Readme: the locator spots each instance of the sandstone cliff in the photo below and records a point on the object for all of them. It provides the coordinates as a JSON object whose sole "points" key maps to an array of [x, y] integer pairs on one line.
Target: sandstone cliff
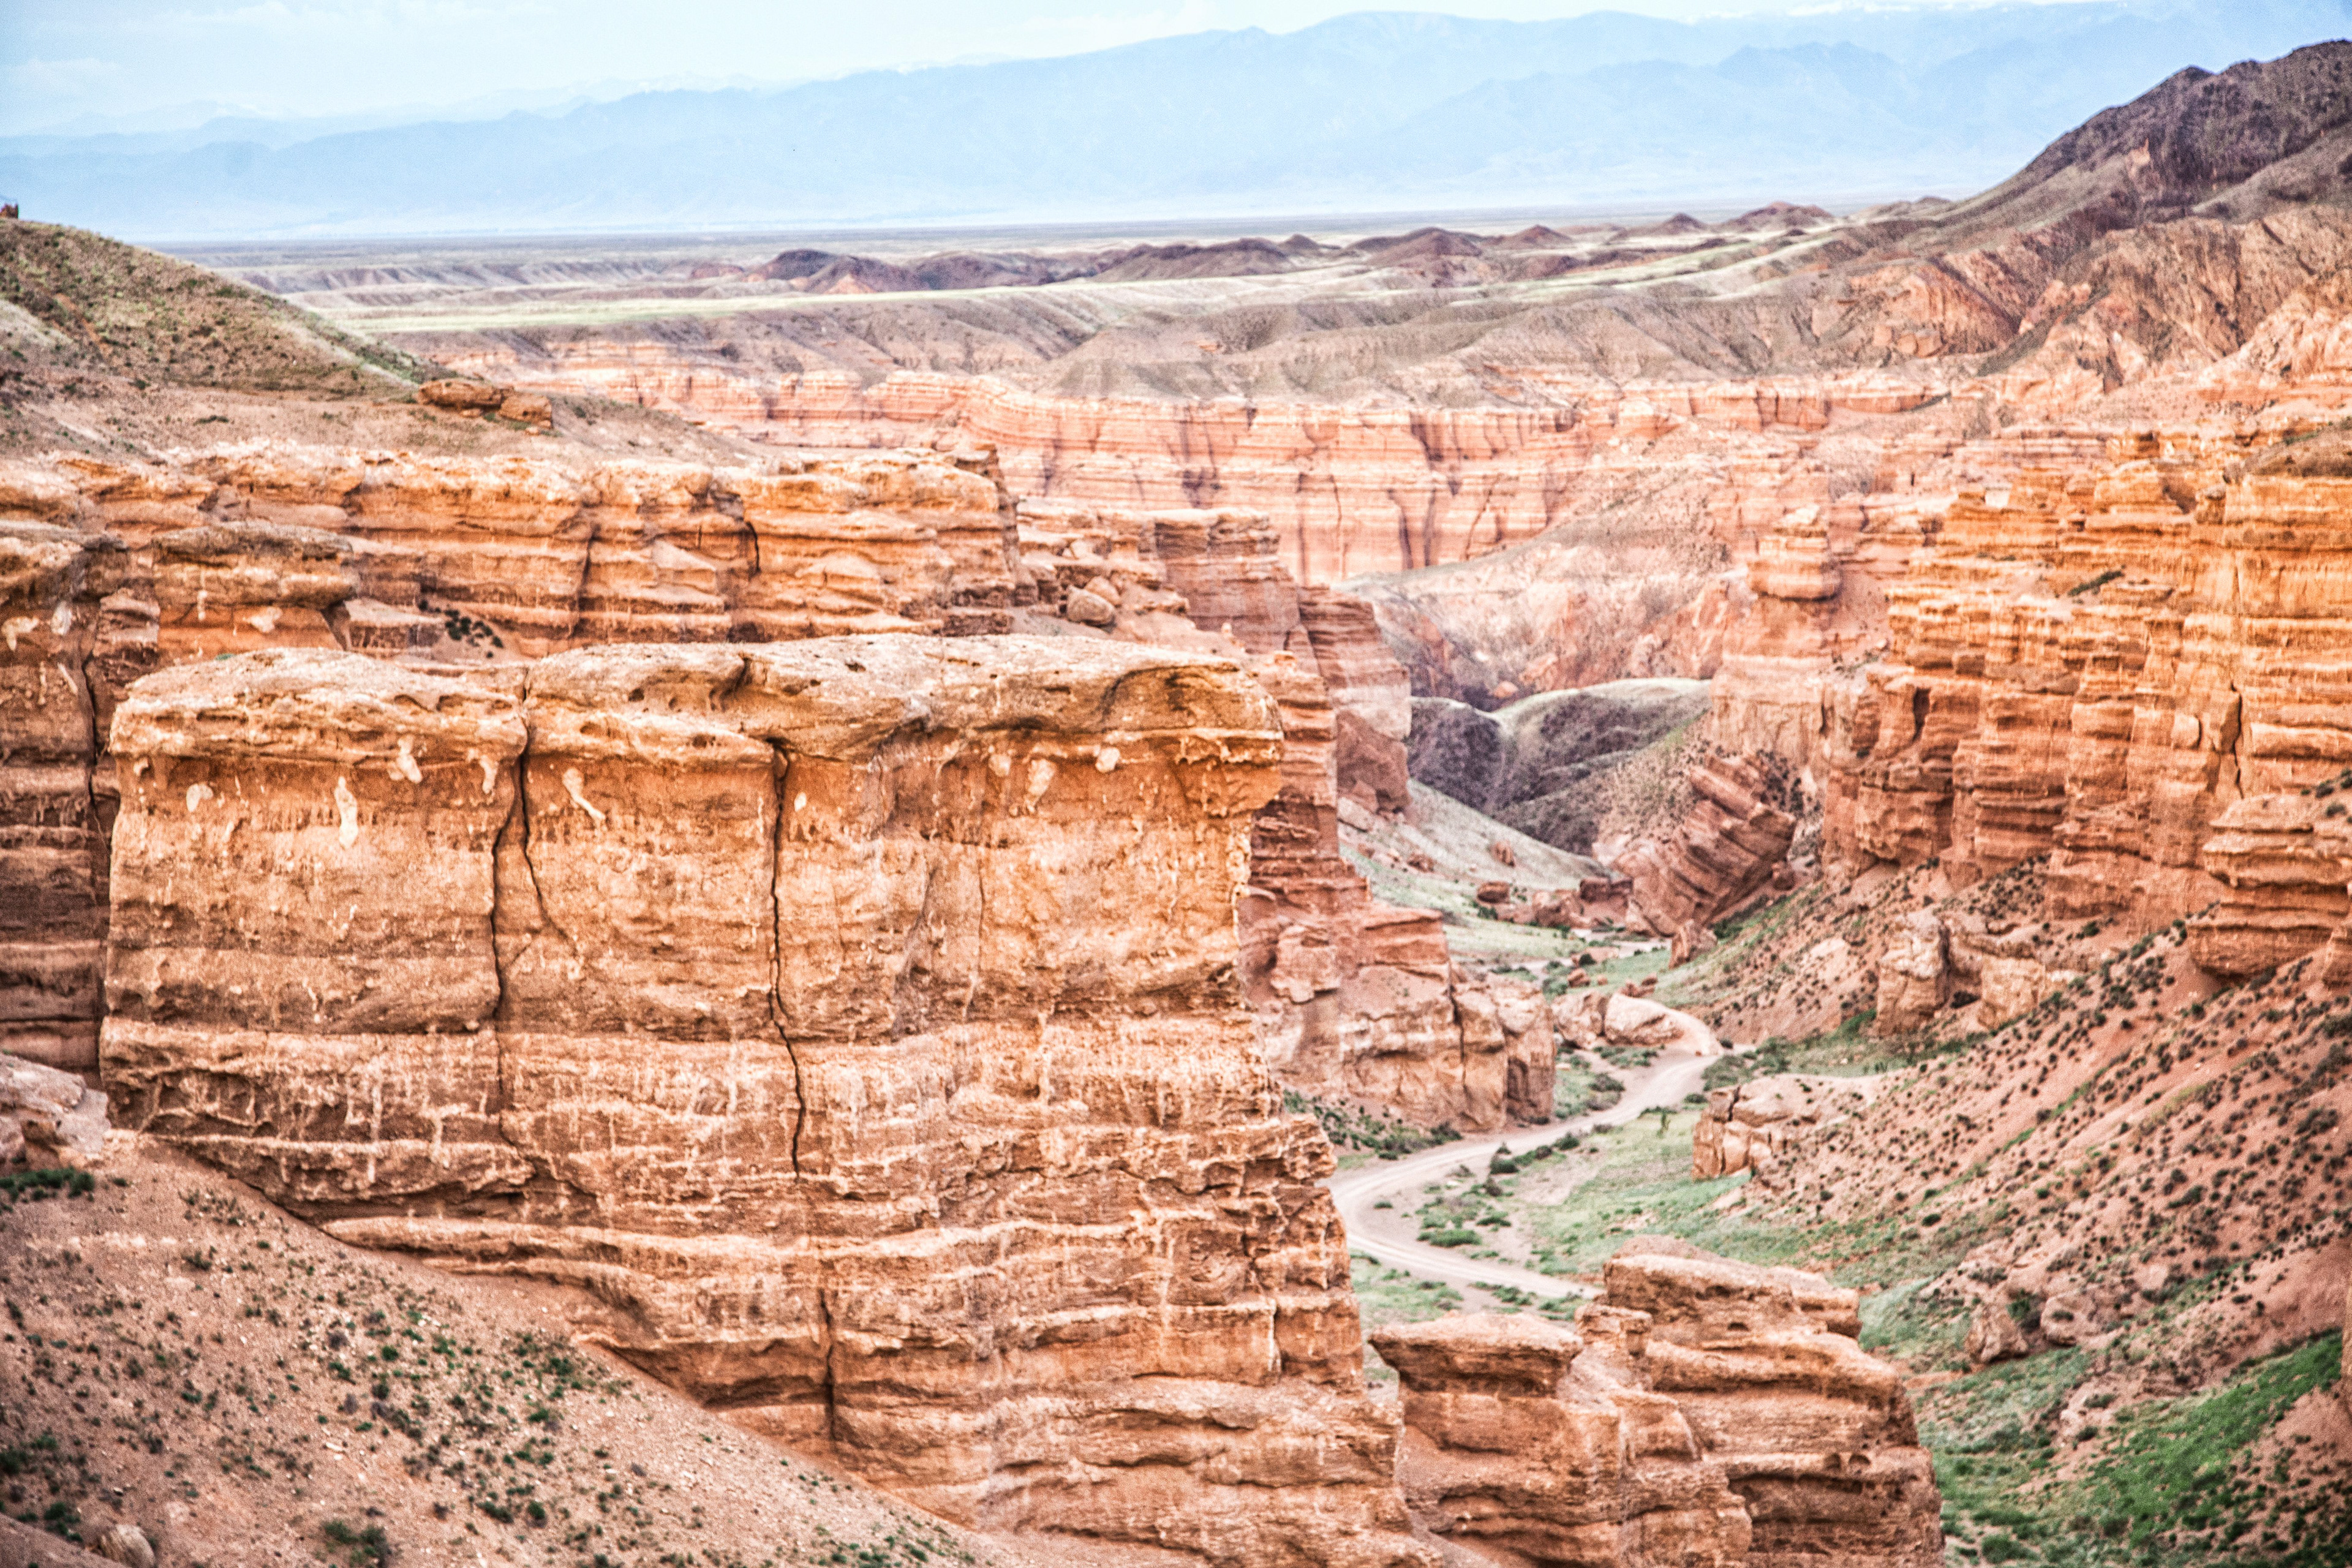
{"points": [[2108, 668], [853, 1021], [139, 566]]}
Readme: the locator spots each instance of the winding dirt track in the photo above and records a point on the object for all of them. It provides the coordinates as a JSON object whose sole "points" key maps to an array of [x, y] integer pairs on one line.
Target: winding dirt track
{"points": [[1387, 1236]]}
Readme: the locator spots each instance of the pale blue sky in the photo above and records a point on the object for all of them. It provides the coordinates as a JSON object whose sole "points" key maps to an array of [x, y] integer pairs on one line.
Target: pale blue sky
{"points": [[136, 65]]}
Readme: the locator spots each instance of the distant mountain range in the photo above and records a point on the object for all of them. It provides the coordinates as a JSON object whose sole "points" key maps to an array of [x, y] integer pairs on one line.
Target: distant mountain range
{"points": [[1373, 111]]}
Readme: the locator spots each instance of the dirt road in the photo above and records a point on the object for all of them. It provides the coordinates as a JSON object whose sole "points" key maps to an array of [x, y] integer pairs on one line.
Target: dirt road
{"points": [[1387, 1234]]}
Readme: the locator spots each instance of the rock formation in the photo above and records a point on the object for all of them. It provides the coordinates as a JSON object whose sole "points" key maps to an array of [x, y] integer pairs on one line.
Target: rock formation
{"points": [[454, 562], [853, 1021], [1758, 1125], [2123, 669], [1356, 999], [1730, 845], [1701, 1411], [48, 1118]]}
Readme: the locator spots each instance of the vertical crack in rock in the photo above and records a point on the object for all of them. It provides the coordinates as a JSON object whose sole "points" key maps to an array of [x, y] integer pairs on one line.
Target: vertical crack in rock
{"points": [[985, 1177], [776, 993], [521, 815]]}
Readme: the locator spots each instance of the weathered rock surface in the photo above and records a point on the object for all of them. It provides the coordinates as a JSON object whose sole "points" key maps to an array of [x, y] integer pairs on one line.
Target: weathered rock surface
{"points": [[456, 562], [1757, 1125], [1728, 846], [48, 1118], [854, 1021], [1701, 1411], [109, 571], [1994, 1333], [2125, 670], [1355, 999]]}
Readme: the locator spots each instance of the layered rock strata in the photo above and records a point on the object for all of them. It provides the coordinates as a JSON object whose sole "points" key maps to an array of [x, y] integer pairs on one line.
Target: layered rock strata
{"points": [[853, 1021], [118, 570], [1701, 1411], [1352, 488], [1356, 999], [2107, 668], [1730, 844], [109, 571]]}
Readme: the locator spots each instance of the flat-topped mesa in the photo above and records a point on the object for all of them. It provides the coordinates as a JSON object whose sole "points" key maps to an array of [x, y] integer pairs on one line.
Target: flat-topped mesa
{"points": [[854, 1022], [109, 571], [1701, 1411]]}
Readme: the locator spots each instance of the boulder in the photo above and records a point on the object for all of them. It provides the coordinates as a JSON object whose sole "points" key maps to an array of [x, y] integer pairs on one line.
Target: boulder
{"points": [[1637, 1020], [461, 397], [48, 1118], [526, 409], [125, 1543], [1089, 609], [1994, 1334], [1913, 979]]}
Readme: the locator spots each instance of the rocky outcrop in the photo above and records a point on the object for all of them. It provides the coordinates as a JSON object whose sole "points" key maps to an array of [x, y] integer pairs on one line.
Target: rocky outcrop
{"points": [[452, 563], [1524, 1442], [1758, 1125], [851, 1022], [1357, 999], [1730, 845], [2108, 668], [62, 605], [1701, 1411], [109, 571], [2284, 861], [48, 1118], [474, 399]]}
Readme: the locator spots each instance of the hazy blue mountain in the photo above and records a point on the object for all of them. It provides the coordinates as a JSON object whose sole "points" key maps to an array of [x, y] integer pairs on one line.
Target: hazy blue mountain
{"points": [[1369, 111]]}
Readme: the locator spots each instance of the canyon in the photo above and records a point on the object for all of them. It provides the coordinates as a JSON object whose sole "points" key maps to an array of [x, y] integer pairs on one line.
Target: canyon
{"points": [[870, 848]]}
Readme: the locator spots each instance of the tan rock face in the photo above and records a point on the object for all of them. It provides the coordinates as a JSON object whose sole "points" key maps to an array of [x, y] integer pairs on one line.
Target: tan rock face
{"points": [[488, 562], [1701, 1411], [853, 1021], [48, 1118], [2283, 859], [55, 804]]}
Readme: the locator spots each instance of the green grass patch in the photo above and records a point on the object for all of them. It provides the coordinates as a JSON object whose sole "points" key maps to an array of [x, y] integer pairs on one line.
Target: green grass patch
{"points": [[31, 1186], [2179, 1483], [1354, 1127]]}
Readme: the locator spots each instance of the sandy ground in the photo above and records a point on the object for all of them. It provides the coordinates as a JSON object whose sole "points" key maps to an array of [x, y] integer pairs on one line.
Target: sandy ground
{"points": [[181, 1356]]}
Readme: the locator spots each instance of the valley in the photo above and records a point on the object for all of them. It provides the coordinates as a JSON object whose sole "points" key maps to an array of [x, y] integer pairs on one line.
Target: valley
{"points": [[1663, 890]]}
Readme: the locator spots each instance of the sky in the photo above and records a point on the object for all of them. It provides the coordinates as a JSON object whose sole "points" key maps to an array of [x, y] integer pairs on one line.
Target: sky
{"points": [[99, 65]]}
